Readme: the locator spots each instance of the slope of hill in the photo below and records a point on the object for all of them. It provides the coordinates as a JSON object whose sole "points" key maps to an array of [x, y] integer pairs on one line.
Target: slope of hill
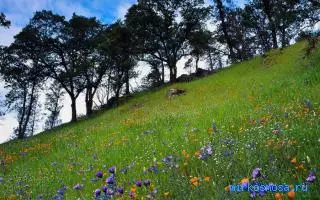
{"points": [[263, 113]]}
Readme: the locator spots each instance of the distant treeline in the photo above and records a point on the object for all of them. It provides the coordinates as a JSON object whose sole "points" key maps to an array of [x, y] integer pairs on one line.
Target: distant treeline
{"points": [[56, 56]]}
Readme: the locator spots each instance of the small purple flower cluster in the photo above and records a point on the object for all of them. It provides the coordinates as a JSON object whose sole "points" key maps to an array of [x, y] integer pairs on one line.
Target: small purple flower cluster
{"points": [[109, 190], [170, 162], [205, 152], [311, 178]]}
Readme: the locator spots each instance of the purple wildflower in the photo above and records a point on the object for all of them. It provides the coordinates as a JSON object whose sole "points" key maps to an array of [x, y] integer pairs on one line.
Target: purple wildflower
{"points": [[110, 192], [112, 170], [120, 190], [104, 188], [139, 183], [256, 173], [57, 197], [97, 193], [205, 152], [311, 178], [131, 194], [61, 191], [153, 169], [209, 150], [110, 180], [146, 182], [99, 174], [167, 159], [155, 191], [78, 186]]}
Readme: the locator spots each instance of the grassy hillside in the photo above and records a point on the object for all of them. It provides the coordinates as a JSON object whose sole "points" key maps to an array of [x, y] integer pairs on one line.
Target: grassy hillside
{"points": [[263, 113]]}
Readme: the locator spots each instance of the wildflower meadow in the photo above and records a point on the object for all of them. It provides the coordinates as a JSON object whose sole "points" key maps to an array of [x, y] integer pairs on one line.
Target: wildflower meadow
{"points": [[253, 124]]}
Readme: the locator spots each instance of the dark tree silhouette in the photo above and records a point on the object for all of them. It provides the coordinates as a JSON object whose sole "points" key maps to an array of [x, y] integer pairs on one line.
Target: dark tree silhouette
{"points": [[3, 21], [158, 32], [23, 73]]}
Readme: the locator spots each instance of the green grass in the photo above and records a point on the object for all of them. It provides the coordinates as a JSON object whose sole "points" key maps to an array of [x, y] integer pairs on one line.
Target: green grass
{"points": [[248, 102]]}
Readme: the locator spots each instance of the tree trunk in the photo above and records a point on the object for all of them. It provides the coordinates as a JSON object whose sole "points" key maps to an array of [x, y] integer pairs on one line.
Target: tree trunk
{"points": [[89, 101], [283, 37], [173, 74], [117, 95], [162, 65], [274, 37], [220, 63], [108, 87], [20, 134], [89, 104], [197, 63], [73, 109], [211, 61], [29, 111], [127, 83]]}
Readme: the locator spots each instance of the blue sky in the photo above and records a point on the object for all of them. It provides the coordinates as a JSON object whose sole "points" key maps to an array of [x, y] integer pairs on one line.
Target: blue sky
{"points": [[19, 12]]}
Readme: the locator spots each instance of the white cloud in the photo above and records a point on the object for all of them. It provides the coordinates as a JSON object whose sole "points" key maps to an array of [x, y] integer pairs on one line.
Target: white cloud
{"points": [[6, 127]]}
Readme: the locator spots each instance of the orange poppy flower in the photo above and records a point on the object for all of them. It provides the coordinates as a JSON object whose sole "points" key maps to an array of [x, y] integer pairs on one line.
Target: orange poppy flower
{"points": [[278, 196], [300, 167], [207, 179], [196, 183], [194, 179], [294, 160], [291, 195], [133, 190]]}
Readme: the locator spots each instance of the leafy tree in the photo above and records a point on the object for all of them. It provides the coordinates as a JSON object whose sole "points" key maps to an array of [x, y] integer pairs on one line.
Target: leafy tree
{"points": [[160, 34], [234, 31], [310, 11], [200, 44], [117, 45], [23, 74], [289, 20], [257, 24], [53, 105], [64, 56], [220, 13], [86, 36], [3, 21], [284, 18], [269, 8]]}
